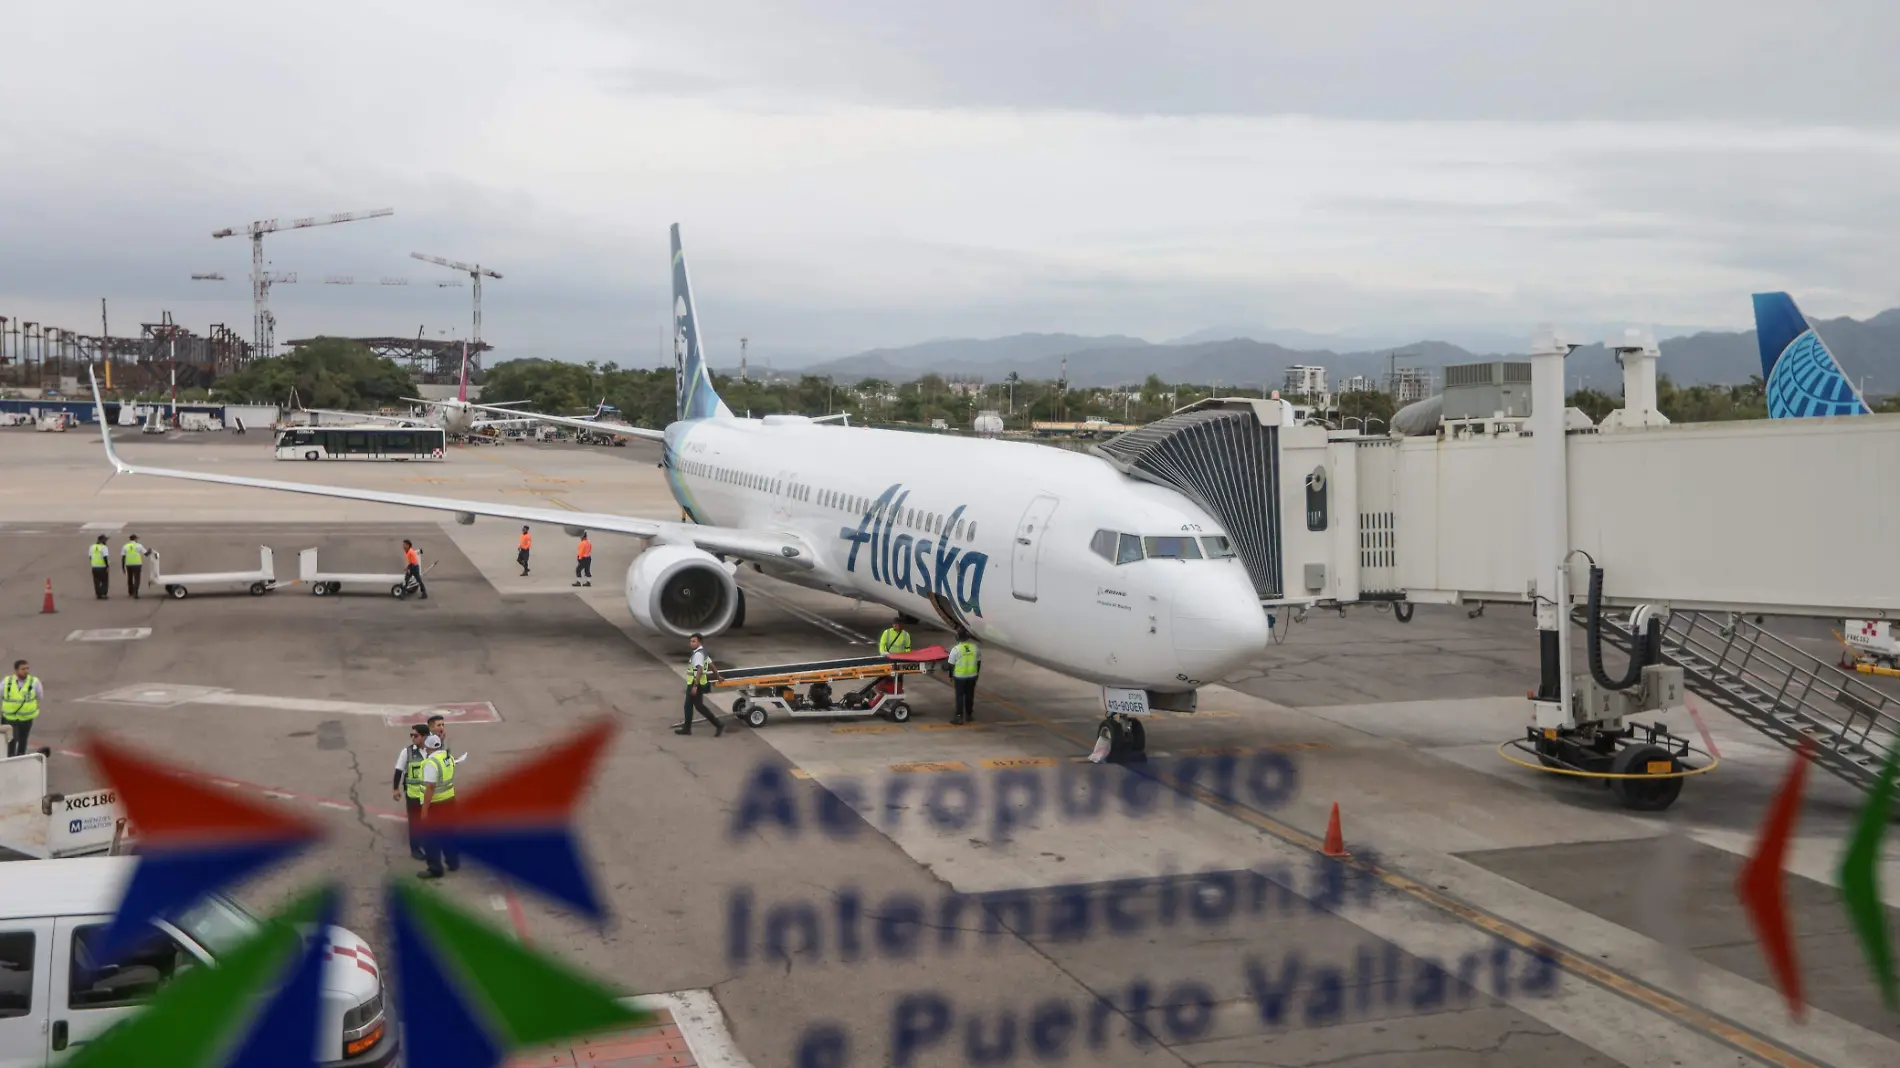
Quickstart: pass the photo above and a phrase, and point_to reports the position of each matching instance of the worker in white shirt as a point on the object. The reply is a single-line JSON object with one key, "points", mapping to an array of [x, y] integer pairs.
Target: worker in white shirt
{"points": [[407, 785]]}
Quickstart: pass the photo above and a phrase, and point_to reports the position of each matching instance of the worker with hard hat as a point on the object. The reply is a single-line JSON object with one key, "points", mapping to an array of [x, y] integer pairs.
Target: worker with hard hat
{"points": [[438, 799]]}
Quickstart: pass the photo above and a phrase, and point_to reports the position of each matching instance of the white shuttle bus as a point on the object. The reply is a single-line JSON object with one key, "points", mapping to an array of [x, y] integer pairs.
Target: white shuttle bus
{"points": [[360, 443]]}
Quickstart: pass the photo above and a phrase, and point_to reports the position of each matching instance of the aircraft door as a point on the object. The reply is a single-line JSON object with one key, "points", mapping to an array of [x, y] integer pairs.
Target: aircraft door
{"points": [[1028, 544]]}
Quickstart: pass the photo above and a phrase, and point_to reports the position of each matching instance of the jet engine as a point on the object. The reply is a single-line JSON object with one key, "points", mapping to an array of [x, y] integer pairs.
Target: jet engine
{"points": [[681, 590]]}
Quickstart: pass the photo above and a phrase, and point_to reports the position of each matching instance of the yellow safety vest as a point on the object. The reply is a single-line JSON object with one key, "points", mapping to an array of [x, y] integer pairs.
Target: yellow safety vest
{"points": [[963, 660], [100, 558], [894, 641], [19, 701], [445, 773], [134, 554], [696, 676], [412, 775]]}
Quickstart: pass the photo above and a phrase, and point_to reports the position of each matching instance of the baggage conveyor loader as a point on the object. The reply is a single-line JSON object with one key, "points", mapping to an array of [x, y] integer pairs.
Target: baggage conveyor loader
{"points": [[849, 688]]}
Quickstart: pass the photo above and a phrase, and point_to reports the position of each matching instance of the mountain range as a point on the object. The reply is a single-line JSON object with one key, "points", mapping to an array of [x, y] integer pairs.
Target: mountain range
{"points": [[1868, 350]]}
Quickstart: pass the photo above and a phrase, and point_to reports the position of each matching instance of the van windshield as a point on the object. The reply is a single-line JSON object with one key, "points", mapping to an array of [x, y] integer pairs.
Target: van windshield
{"points": [[218, 925]]}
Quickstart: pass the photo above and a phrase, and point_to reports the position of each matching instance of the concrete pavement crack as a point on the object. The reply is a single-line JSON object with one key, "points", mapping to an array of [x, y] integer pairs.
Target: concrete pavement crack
{"points": [[356, 800]]}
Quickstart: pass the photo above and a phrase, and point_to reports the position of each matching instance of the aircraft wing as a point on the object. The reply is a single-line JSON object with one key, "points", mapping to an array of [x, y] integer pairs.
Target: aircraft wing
{"points": [[579, 424], [759, 546], [364, 417]]}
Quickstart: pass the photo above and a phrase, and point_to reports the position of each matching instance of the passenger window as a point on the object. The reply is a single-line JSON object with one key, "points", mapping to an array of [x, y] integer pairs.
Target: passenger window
{"points": [[972, 531], [1217, 548], [131, 981], [958, 532], [1103, 545], [16, 973], [1172, 548], [1129, 549]]}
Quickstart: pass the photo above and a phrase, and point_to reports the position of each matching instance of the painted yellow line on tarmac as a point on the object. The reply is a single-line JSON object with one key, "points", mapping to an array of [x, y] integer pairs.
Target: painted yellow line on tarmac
{"points": [[1020, 762], [1657, 1000], [866, 728]]}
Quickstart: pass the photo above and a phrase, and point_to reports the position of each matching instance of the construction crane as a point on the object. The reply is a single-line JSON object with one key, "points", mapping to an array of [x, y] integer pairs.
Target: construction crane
{"points": [[350, 280], [264, 325], [475, 271]]}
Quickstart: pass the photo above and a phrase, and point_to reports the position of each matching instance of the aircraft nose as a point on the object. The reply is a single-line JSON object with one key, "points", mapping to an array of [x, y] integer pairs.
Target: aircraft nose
{"points": [[1218, 623]]}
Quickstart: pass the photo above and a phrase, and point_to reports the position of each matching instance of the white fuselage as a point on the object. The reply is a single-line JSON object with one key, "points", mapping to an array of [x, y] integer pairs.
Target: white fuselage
{"points": [[992, 535]]}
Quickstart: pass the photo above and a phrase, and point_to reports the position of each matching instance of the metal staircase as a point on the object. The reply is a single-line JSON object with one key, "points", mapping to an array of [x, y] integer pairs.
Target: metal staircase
{"points": [[1781, 691]]}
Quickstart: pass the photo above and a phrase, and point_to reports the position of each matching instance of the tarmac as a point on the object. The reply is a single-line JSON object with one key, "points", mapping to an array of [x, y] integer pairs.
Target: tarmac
{"points": [[1491, 914]]}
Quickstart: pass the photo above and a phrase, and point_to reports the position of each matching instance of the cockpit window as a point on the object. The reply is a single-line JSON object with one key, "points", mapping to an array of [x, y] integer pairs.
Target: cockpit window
{"points": [[1129, 550], [1103, 544], [1218, 548], [1172, 548]]}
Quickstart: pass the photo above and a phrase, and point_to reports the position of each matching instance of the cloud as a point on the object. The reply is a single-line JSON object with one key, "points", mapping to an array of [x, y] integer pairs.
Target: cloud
{"points": [[850, 175]]}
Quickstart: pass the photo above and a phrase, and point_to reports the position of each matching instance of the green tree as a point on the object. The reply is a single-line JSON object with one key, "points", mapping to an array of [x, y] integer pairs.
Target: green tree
{"points": [[330, 372], [1366, 405], [1595, 404]]}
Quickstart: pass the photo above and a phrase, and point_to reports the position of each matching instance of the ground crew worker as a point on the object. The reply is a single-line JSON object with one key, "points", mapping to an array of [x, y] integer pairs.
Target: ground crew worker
{"points": [[101, 558], [521, 554], [20, 696], [438, 797], [895, 639], [407, 785], [412, 567], [964, 658], [132, 558], [584, 562], [699, 671]]}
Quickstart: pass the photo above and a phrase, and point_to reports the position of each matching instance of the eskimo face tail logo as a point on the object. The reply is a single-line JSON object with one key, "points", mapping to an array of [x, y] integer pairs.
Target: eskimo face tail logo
{"points": [[915, 564]]}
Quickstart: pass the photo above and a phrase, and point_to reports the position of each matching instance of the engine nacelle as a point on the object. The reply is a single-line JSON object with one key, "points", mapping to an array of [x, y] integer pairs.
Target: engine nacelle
{"points": [[680, 590]]}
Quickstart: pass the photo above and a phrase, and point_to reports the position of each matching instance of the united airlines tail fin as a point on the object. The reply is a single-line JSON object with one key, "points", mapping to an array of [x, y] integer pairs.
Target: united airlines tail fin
{"points": [[1801, 376], [692, 381]]}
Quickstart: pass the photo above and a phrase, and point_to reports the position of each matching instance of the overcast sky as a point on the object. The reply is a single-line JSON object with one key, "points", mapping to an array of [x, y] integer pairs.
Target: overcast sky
{"points": [[851, 173]]}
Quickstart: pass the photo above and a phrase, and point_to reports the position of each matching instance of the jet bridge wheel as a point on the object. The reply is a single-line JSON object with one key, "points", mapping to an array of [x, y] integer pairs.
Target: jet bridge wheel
{"points": [[1643, 767]]}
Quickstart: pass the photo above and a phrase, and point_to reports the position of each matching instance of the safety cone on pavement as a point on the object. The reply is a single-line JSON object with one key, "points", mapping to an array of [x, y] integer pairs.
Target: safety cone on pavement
{"points": [[47, 608], [1335, 841]]}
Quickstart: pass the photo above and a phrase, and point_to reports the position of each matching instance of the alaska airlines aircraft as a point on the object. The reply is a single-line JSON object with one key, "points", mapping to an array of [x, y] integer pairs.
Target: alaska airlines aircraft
{"points": [[1051, 555], [1801, 376]]}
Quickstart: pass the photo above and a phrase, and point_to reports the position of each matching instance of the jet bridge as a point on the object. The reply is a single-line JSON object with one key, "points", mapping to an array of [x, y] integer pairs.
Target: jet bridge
{"points": [[1695, 528]]}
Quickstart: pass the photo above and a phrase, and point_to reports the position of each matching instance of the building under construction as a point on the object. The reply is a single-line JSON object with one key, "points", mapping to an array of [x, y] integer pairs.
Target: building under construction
{"points": [[431, 362], [43, 356]]}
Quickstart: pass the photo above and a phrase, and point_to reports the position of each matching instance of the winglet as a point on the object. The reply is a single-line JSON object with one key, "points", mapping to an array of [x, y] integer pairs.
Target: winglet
{"points": [[105, 428]]}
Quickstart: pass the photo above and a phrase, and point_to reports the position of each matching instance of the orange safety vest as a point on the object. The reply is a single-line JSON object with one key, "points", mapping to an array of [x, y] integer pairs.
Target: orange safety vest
{"points": [[527, 541], [412, 557], [586, 550]]}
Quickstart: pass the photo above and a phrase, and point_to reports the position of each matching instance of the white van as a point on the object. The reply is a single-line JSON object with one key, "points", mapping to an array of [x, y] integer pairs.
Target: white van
{"points": [[52, 999]]}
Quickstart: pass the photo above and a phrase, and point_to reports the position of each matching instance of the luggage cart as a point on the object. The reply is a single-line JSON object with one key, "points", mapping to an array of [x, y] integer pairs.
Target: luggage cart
{"points": [[322, 584], [178, 587], [868, 686]]}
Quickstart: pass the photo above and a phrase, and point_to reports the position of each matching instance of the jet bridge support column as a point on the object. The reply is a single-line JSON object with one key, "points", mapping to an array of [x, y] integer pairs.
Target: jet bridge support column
{"points": [[1549, 500]]}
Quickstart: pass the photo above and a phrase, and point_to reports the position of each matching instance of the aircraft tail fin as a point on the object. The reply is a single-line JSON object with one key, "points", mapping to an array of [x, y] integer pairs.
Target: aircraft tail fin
{"points": [[461, 393], [693, 386], [1801, 376]]}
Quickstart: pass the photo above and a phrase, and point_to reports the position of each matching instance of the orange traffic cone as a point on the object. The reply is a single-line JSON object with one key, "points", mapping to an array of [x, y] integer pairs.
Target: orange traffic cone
{"points": [[47, 608], [1335, 841]]}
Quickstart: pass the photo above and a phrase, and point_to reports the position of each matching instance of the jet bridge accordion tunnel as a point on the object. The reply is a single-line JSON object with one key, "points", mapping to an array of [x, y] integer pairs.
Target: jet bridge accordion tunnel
{"points": [[1227, 461]]}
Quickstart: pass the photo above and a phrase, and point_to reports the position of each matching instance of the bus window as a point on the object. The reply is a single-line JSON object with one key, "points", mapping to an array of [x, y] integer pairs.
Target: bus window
{"points": [[356, 443], [399, 443]]}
